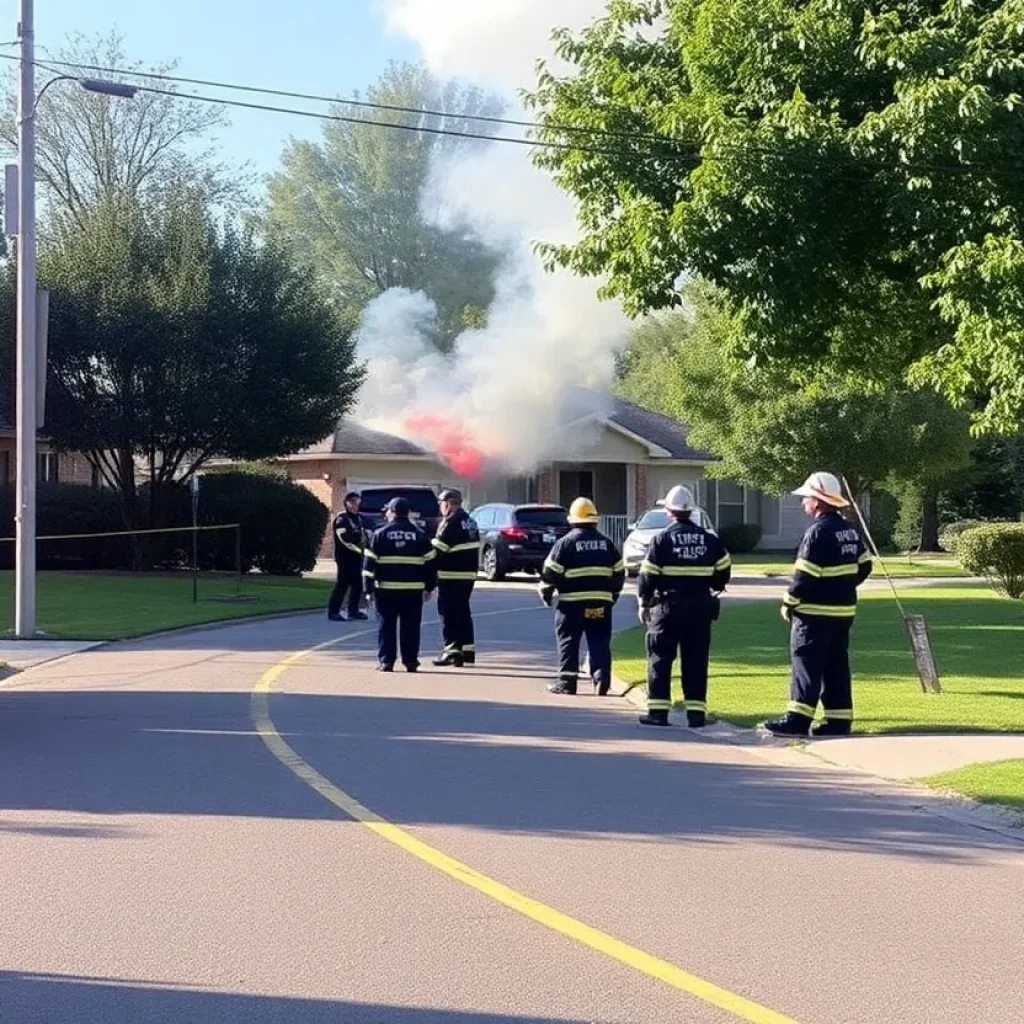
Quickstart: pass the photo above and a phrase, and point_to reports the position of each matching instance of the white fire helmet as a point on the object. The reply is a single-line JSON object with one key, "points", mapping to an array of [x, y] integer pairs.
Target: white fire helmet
{"points": [[825, 487], [679, 499]]}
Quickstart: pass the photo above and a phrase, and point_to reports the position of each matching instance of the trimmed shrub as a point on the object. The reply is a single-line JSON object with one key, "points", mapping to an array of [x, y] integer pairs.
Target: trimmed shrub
{"points": [[64, 509], [950, 534], [996, 552], [740, 538], [282, 524]]}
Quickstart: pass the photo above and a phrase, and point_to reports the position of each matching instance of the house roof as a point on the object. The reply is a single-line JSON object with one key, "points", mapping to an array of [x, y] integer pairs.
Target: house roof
{"points": [[352, 439], [661, 432]]}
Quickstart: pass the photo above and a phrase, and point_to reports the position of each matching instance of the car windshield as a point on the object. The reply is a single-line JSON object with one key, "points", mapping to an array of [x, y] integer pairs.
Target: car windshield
{"points": [[422, 502], [541, 517], [655, 519]]}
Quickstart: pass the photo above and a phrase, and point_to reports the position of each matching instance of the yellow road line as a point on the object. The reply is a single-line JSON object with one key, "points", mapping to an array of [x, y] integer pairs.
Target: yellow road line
{"points": [[602, 942]]}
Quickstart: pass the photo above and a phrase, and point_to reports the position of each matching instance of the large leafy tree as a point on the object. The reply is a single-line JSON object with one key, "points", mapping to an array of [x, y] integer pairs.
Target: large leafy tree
{"points": [[91, 147], [770, 431], [174, 340], [358, 202], [846, 171]]}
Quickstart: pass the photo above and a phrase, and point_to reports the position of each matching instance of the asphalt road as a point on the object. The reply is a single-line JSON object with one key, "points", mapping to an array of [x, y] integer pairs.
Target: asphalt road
{"points": [[160, 863]]}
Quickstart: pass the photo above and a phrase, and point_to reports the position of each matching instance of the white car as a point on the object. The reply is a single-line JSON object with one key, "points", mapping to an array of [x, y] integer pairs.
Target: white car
{"points": [[642, 532]]}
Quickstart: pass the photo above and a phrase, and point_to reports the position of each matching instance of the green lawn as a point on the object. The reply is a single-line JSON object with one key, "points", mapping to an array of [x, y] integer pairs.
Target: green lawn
{"points": [[768, 563], [97, 606], [977, 639], [996, 782]]}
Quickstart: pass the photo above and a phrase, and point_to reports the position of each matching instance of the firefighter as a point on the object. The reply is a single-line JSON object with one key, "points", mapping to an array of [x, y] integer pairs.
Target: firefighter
{"points": [[685, 564], [400, 576], [582, 578], [457, 544], [349, 542], [820, 606]]}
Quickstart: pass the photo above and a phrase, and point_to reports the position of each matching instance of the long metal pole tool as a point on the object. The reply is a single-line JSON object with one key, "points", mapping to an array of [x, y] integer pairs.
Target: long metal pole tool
{"points": [[915, 625]]}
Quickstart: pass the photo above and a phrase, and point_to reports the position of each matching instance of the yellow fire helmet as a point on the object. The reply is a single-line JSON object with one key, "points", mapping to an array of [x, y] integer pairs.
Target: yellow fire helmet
{"points": [[583, 510]]}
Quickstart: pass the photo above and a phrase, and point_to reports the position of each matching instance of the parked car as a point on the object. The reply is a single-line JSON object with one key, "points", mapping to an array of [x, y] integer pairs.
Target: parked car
{"points": [[425, 509], [517, 538], [641, 533]]}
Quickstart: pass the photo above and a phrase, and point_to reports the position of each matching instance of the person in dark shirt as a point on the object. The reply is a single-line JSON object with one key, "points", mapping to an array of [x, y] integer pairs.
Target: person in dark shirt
{"points": [[457, 544], [399, 574], [684, 565], [583, 574], [820, 606], [349, 542]]}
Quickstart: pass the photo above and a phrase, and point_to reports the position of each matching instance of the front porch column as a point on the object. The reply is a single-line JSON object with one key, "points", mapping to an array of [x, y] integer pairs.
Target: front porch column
{"points": [[637, 494], [546, 486]]}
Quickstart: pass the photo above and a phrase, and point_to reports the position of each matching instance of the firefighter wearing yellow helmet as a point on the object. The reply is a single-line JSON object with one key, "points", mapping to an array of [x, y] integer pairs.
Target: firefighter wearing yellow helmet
{"points": [[582, 578], [820, 606]]}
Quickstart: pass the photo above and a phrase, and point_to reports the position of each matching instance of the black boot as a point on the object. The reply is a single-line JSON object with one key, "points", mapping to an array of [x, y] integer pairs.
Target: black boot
{"points": [[654, 718], [563, 687], [601, 687], [469, 658], [385, 668], [696, 719], [832, 727], [452, 658], [790, 725], [357, 616]]}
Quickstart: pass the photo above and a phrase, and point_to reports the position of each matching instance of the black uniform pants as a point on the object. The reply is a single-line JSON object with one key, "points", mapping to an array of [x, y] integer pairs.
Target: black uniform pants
{"points": [[686, 632], [399, 616], [819, 648], [572, 623], [349, 584], [453, 597]]}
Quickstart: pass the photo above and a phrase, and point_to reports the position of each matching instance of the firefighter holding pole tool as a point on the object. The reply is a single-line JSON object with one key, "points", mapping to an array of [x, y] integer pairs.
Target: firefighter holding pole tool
{"points": [[820, 607]]}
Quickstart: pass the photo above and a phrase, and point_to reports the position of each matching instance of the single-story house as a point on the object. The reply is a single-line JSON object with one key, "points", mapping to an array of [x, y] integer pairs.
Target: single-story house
{"points": [[51, 466], [632, 456]]}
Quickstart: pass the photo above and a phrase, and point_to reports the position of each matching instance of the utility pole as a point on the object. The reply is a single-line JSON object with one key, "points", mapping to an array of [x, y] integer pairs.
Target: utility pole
{"points": [[25, 502]]}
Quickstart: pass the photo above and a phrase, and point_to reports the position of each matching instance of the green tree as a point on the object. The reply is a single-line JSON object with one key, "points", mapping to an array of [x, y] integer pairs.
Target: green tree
{"points": [[174, 340], [848, 173], [354, 202], [90, 147], [770, 430]]}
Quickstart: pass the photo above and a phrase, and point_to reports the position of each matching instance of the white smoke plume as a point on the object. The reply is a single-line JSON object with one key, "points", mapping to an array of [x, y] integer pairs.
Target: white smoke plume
{"points": [[508, 389]]}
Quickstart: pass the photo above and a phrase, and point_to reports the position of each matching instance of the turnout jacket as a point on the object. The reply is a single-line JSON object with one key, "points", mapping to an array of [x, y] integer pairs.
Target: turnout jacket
{"points": [[584, 567], [684, 561], [399, 558], [349, 536], [831, 563], [457, 544]]}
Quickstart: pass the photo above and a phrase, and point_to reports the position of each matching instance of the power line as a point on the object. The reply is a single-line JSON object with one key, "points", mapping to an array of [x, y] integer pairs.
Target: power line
{"points": [[366, 104], [678, 147]]}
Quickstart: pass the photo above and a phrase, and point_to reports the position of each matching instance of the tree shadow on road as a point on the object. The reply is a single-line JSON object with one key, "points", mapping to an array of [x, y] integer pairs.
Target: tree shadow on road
{"points": [[29, 997], [576, 768]]}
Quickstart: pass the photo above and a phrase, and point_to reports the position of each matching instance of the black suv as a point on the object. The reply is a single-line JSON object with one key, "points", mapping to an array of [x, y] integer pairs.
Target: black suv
{"points": [[514, 538], [423, 504]]}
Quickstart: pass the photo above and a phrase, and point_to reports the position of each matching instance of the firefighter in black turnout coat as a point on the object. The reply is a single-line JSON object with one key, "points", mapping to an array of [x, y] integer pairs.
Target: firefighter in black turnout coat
{"points": [[684, 564], [400, 576], [457, 544], [820, 606], [584, 574], [349, 541]]}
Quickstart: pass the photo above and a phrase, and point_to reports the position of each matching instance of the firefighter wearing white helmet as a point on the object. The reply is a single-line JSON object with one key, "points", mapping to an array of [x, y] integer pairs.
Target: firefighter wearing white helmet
{"points": [[685, 568], [820, 606], [582, 578]]}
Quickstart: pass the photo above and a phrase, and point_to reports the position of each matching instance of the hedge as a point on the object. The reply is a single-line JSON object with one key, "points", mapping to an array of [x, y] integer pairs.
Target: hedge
{"points": [[282, 526], [950, 534], [995, 551], [740, 538]]}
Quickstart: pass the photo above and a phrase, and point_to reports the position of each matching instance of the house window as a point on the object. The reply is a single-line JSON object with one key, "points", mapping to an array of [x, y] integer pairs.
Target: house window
{"points": [[732, 503], [573, 484], [46, 468], [5, 467]]}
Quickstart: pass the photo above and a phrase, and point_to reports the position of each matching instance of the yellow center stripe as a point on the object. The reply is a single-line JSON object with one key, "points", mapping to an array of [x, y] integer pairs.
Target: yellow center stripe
{"points": [[652, 966]]}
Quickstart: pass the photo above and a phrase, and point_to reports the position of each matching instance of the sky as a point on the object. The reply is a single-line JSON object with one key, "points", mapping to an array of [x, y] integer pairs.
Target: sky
{"points": [[317, 46]]}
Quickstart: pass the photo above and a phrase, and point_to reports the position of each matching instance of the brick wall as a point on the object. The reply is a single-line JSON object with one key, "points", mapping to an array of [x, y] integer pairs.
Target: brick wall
{"points": [[641, 496], [546, 486]]}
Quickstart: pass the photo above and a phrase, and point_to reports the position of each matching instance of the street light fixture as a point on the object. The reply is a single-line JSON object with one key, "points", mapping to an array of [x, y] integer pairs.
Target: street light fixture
{"points": [[26, 425]]}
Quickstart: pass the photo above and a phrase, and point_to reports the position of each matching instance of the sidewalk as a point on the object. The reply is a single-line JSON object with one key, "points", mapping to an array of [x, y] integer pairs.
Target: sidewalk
{"points": [[23, 654]]}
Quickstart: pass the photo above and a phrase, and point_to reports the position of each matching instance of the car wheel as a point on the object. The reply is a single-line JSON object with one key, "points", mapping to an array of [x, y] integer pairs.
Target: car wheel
{"points": [[492, 570]]}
